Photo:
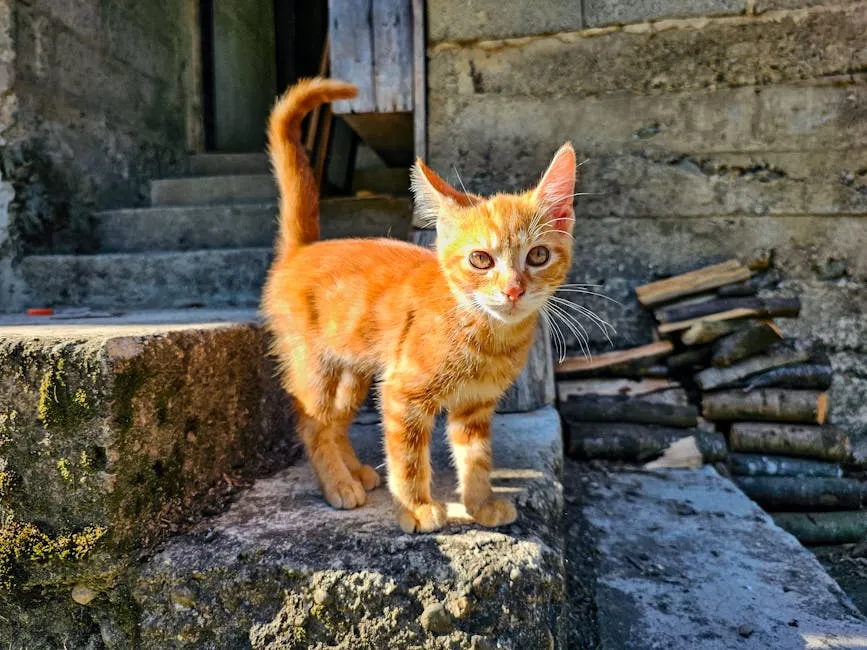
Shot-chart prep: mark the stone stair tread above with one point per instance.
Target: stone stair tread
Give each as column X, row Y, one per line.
column 212, row 278
column 685, row 560
column 217, row 164
column 282, row 567
column 242, row 225
column 198, row 190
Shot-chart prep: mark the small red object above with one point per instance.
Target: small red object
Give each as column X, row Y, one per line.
column 40, row 311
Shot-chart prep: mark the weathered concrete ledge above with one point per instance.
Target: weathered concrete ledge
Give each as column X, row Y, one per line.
column 113, row 433
column 686, row 560
column 282, row 569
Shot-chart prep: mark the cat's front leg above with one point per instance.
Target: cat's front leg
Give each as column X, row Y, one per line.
column 470, row 436
column 408, row 425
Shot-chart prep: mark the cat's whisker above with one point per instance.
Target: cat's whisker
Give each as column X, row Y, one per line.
column 602, row 324
column 574, row 326
column 464, row 187
column 560, row 352
column 586, row 160
column 556, row 334
column 569, row 289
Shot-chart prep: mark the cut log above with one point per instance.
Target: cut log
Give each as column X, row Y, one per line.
column 627, row 387
column 694, row 357
column 768, row 404
column 761, row 307
column 637, row 442
column 745, row 343
column 824, row 527
column 751, row 287
column 612, row 361
column 803, row 493
column 709, row 331
column 825, row 442
column 711, row 378
column 668, row 408
column 808, row 376
column 764, row 465
column 711, row 277
column 693, row 451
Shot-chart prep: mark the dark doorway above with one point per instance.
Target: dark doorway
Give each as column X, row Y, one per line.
column 251, row 51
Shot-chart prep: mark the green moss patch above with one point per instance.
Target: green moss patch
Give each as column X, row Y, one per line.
column 61, row 407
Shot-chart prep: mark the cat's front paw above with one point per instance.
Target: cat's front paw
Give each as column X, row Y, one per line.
column 425, row 518
column 343, row 494
column 368, row 477
column 494, row 512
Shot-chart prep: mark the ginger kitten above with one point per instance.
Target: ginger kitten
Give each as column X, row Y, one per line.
column 449, row 329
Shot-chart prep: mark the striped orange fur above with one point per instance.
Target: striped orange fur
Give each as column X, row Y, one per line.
column 433, row 328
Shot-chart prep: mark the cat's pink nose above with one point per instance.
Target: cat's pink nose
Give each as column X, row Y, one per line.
column 513, row 292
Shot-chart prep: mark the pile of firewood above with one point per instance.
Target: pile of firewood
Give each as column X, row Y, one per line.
column 720, row 372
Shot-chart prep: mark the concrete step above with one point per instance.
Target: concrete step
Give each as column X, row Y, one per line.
column 118, row 431
column 224, row 164
column 212, row 278
column 212, row 190
column 685, row 560
column 282, row 569
column 243, row 225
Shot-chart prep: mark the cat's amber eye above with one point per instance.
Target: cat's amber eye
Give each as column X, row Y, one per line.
column 481, row 260
column 538, row 255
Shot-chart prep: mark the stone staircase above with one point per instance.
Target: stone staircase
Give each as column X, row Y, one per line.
column 150, row 495
column 205, row 241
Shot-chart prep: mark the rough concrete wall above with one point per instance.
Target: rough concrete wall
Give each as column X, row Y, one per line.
column 100, row 93
column 733, row 128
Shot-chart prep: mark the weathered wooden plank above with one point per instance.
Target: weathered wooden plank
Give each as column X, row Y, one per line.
column 744, row 343
column 614, row 386
column 721, row 377
column 783, row 307
column 645, row 354
column 711, row 277
column 668, row 408
column 372, row 47
column 419, row 80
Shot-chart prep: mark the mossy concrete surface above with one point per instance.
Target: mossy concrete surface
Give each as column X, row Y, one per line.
column 281, row 569
column 114, row 433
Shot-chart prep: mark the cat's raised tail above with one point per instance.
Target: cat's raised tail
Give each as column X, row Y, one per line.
column 299, row 196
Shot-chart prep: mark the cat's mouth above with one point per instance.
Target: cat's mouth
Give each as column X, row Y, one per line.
column 509, row 312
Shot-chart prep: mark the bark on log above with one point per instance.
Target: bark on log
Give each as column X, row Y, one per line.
column 763, row 307
column 711, row 378
column 801, row 493
column 808, row 376
column 711, row 277
column 707, row 332
column 668, row 329
column 825, row 442
column 694, row 357
column 621, row 360
column 669, row 408
column 751, row 287
column 637, row 442
column 824, row 527
column 769, row 404
column 745, row 343
column 626, row 387
column 765, row 465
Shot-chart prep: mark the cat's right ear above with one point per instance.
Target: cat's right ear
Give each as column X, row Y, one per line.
column 433, row 196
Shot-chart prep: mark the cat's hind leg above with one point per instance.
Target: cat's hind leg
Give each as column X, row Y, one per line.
column 350, row 394
column 323, row 429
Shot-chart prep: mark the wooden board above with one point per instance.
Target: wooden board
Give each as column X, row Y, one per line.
column 648, row 353
column 735, row 314
column 568, row 388
column 691, row 283
column 372, row 47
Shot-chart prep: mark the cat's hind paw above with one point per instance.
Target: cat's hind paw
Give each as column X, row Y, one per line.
column 494, row 512
column 425, row 518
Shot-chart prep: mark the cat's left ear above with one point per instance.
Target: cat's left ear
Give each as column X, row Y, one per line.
column 554, row 193
column 433, row 196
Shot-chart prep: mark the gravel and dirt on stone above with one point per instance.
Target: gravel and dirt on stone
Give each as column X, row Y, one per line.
column 847, row 564
column 580, row 557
